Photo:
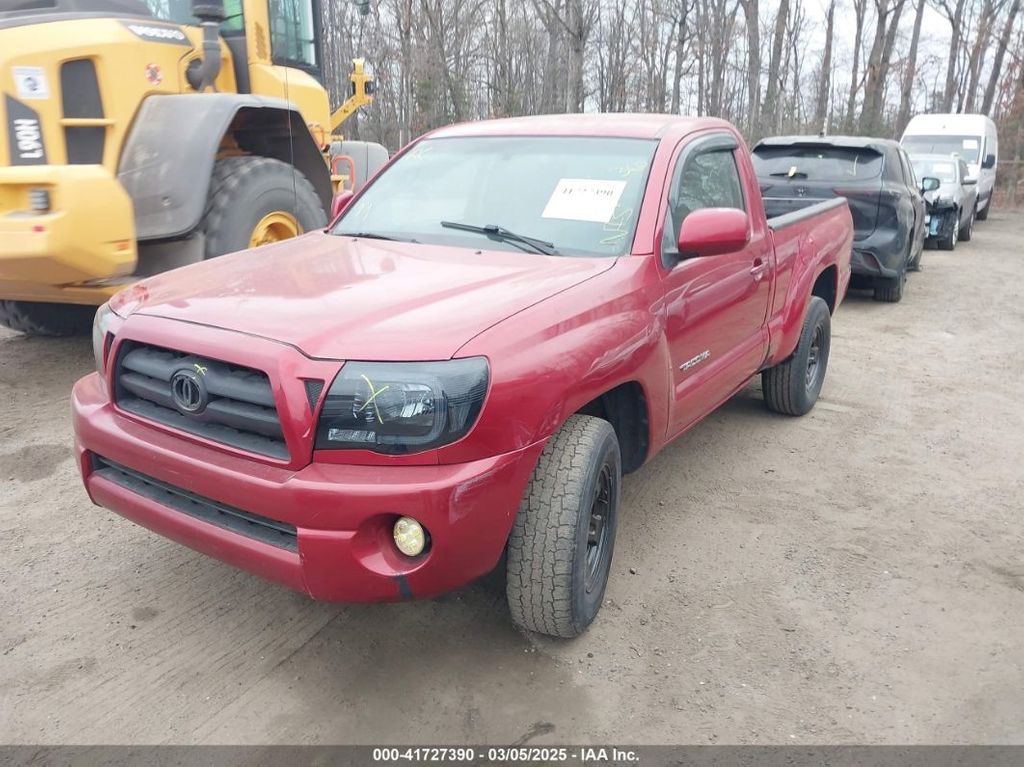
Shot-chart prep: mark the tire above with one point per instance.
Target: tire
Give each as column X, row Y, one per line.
column 983, row 213
column 890, row 289
column 35, row 318
column 949, row 241
column 915, row 265
column 244, row 191
column 968, row 231
column 557, row 567
column 792, row 387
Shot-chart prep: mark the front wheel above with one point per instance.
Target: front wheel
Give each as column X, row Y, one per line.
column 257, row 201
column 792, row 387
column 983, row 213
column 949, row 241
column 967, row 231
column 560, row 548
column 36, row 318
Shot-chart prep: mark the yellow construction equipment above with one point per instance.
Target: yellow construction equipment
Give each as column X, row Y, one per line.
column 141, row 135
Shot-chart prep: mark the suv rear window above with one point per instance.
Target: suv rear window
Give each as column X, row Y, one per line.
column 817, row 163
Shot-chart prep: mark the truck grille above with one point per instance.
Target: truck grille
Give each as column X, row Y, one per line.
column 224, row 403
column 270, row 531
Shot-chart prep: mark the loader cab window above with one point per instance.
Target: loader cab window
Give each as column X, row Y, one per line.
column 180, row 12
column 293, row 33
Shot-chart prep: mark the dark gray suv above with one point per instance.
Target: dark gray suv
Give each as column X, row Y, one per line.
column 878, row 182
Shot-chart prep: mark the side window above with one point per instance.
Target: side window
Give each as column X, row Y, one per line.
column 705, row 180
column 292, row 33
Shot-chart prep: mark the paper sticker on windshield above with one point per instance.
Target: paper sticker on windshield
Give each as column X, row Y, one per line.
column 970, row 143
column 584, row 199
column 31, row 82
column 942, row 167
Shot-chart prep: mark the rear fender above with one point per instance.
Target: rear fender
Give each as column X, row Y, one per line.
column 169, row 154
column 826, row 242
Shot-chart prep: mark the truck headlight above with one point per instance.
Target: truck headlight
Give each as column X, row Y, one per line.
column 101, row 328
column 402, row 407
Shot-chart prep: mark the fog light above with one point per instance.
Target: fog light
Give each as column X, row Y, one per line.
column 39, row 200
column 410, row 537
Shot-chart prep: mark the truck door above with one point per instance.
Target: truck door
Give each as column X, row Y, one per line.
column 716, row 305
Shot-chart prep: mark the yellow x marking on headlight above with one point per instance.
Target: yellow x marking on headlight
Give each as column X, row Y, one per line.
column 373, row 396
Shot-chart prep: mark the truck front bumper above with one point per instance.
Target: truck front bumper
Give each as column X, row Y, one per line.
column 87, row 234
column 324, row 529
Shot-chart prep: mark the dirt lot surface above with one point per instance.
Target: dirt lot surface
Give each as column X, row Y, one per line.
column 852, row 576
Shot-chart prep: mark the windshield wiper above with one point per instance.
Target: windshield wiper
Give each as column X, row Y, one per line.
column 501, row 233
column 375, row 236
column 789, row 174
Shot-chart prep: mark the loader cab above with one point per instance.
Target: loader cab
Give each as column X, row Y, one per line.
column 285, row 33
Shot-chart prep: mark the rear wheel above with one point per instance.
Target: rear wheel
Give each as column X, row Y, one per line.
column 36, row 318
column 257, row 201
column 890, row 289
column 792, row 387
column 560, row 548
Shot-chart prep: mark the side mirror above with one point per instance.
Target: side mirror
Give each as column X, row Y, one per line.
column 340, row 202
column 989, row 161
column 713, row 232
column 970, row 181
column 929, row 184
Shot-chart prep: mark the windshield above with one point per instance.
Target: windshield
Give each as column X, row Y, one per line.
column 581, row 195
column 943, row 170
column 968, row 147
column 817, row 163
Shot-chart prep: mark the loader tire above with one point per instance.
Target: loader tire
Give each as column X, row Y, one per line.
column 256, row 201
column 36, row 318
column 792, row 387
column 560, row 548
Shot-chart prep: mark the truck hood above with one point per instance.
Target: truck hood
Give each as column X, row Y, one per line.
column 342, row 298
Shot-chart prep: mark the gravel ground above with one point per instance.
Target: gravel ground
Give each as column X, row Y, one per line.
column 854, row 576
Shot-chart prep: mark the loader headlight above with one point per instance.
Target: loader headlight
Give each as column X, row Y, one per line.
column 101, row 328
column 402, row 407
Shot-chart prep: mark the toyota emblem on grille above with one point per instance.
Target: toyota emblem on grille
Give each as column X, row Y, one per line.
column 188, row 391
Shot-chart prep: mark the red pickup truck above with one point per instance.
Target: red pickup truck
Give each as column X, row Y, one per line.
column 510, row 316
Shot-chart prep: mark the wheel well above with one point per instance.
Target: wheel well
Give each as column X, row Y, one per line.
column 625, row 408
column 825, row 287
column 282, row 135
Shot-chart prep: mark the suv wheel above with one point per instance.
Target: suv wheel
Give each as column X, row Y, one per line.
column 949, row 241
column 968, row 230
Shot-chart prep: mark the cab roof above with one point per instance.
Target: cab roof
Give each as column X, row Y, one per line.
column 619, row 125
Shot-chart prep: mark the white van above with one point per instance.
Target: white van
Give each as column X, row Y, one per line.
column 973, row 137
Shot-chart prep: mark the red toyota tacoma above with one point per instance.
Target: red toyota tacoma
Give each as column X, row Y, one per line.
column 510, row 316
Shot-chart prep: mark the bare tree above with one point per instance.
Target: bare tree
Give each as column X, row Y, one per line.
column 997, row 63
column 752, row 21
column 910, row 72
column 859, row 13
column 821, row 103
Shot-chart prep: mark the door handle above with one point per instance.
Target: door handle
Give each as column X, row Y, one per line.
column 759, row 268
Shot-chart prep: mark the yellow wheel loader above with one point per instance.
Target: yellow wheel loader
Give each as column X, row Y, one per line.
column 141, row 135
